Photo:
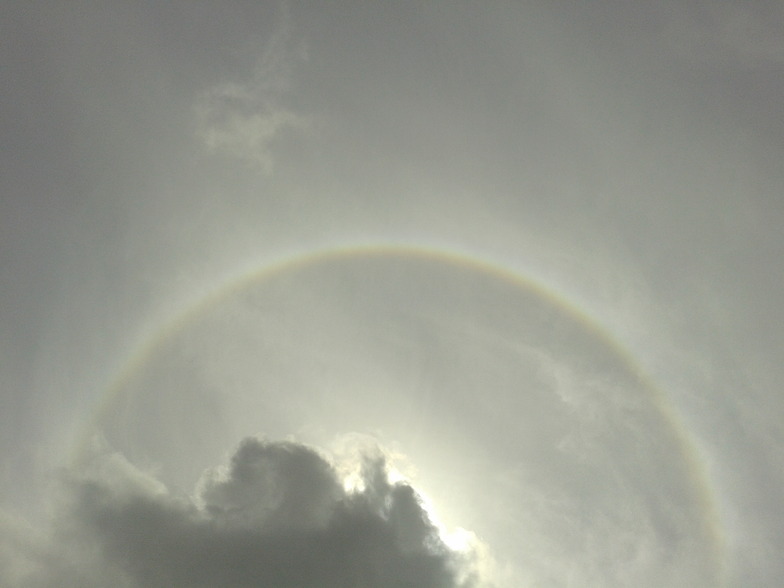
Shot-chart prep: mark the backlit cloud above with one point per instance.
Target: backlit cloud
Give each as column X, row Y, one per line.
column 277, row 515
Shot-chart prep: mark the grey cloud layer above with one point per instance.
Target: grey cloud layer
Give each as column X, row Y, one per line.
column 277, row 515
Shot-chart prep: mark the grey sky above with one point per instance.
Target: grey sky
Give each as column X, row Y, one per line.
column 625, row 155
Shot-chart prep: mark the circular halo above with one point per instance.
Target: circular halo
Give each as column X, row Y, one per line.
column 486, row 379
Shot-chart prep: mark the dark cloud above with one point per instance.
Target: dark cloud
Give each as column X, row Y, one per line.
column 278, row 515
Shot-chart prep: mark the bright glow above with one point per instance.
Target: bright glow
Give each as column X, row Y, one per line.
column 353, row 483
column 457, row 538
column 395, row 476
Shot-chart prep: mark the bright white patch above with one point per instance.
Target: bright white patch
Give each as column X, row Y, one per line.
column 353, row 483
column 395, row 476
column 458, row 538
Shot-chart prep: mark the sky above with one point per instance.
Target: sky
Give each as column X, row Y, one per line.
column 390, row 294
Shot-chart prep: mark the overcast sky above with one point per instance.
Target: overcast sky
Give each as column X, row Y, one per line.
column 390, row 294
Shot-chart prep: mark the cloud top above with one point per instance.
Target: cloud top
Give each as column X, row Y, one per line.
column 278, row 515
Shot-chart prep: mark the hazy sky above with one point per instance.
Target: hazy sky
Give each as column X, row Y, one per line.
column 294, row 292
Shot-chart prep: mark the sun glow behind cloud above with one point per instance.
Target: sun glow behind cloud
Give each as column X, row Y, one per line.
column 354, row 451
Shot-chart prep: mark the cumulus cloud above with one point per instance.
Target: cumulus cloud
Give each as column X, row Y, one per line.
column 277, row 515
column 244, row 119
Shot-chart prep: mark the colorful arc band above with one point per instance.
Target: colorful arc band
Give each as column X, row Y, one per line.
column 146, row 352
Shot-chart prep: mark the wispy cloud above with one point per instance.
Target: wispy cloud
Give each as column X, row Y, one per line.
column 243, row 119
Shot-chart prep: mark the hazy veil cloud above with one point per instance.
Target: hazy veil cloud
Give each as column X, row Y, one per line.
column 277, row 515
